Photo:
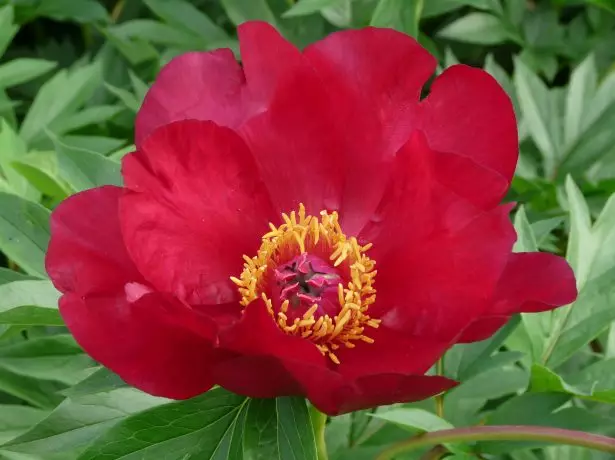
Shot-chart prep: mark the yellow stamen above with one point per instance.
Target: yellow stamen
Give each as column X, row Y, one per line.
column 300, row 233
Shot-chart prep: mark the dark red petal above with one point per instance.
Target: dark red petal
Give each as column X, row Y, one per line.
column 385, row 68
column 482, row 328
column 298, row 147
column 468, row 113
column 393, row 351
column 194, row 206
column 86, row 252
column 334, row 395
column 439, row 257
column 202, row 86
column 212, row 85
column 154, row 343
column 534, row 282
column 149, row 339
column 265, row 56
column 260, row 354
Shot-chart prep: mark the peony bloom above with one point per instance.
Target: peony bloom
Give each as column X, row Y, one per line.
column 303, row 224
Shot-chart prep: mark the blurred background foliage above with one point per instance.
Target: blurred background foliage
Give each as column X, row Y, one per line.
column 72, row 76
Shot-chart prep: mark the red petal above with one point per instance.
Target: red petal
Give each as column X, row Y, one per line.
column 468, row 113
column 155, row 343
column 534, row 282
column 152, row 341
column 265, row 56
column 212, row 85
column 86, row 253
column 334, row 395
column 195, row 207
column 259, row 355
column 482, row 328
column 445, row 272
column 386, row 69
column 392, row 352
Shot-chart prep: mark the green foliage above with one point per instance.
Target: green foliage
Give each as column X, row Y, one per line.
column 73, row 74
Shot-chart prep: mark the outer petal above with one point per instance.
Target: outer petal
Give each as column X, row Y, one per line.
column 386, row 68
column 155, row 343
column 439, row 256
column 531, row 282
column 212, row 85
column 259, row 356
column 195, row 206
column 468, row 113
column 378, row 390
column 393, row 351
column 151, row 340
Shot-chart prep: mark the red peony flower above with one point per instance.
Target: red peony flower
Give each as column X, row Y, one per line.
column 303, row 224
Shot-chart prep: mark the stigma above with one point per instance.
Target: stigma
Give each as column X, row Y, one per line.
column 315, row 282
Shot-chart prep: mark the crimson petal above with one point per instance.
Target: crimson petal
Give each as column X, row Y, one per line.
column 194, row 206
column 151, row 340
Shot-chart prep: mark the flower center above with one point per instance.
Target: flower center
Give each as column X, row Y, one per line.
column 315, row 281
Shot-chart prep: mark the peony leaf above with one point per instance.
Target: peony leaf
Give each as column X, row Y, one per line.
column 208, row 426
column 542, row 409
column 478, row 28
column 22, row 70
column 76, row 422
column 29, row 303
column 24, row 232
column 83, row 169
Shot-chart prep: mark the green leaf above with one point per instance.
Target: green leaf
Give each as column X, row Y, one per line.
column 83, row 169
column 13, row 148
column 125, row 96
column 295, row 436
column 83, row 118
column 82, row 11
column 545, row 380
column 304, row 7
column 581, row 88
column 24, row 232
column 591, row 254
column 100, row 381
column 40, row 169
column 542, row 409
column 56, row 358
column 339, row 14
column 240, row 11
column 278, row 429
column 7, row 28
column 417, row 419
column 403, row 15
column 595, row 138
column 22, row 70
column 61, row 96
column 38, row 393
column 202, row 427
column 14, row 420
column 471, row 395
column 76, row 422
column 477, row 28
column 8, row 276
column 182, row 14
column 438, row 7
column 158, row 33
column 541, row 113
column 29, row 302
column 466, row 360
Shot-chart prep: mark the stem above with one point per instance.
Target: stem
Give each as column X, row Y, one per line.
column 502, row 433
column 319, row 422
column 440, row 397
